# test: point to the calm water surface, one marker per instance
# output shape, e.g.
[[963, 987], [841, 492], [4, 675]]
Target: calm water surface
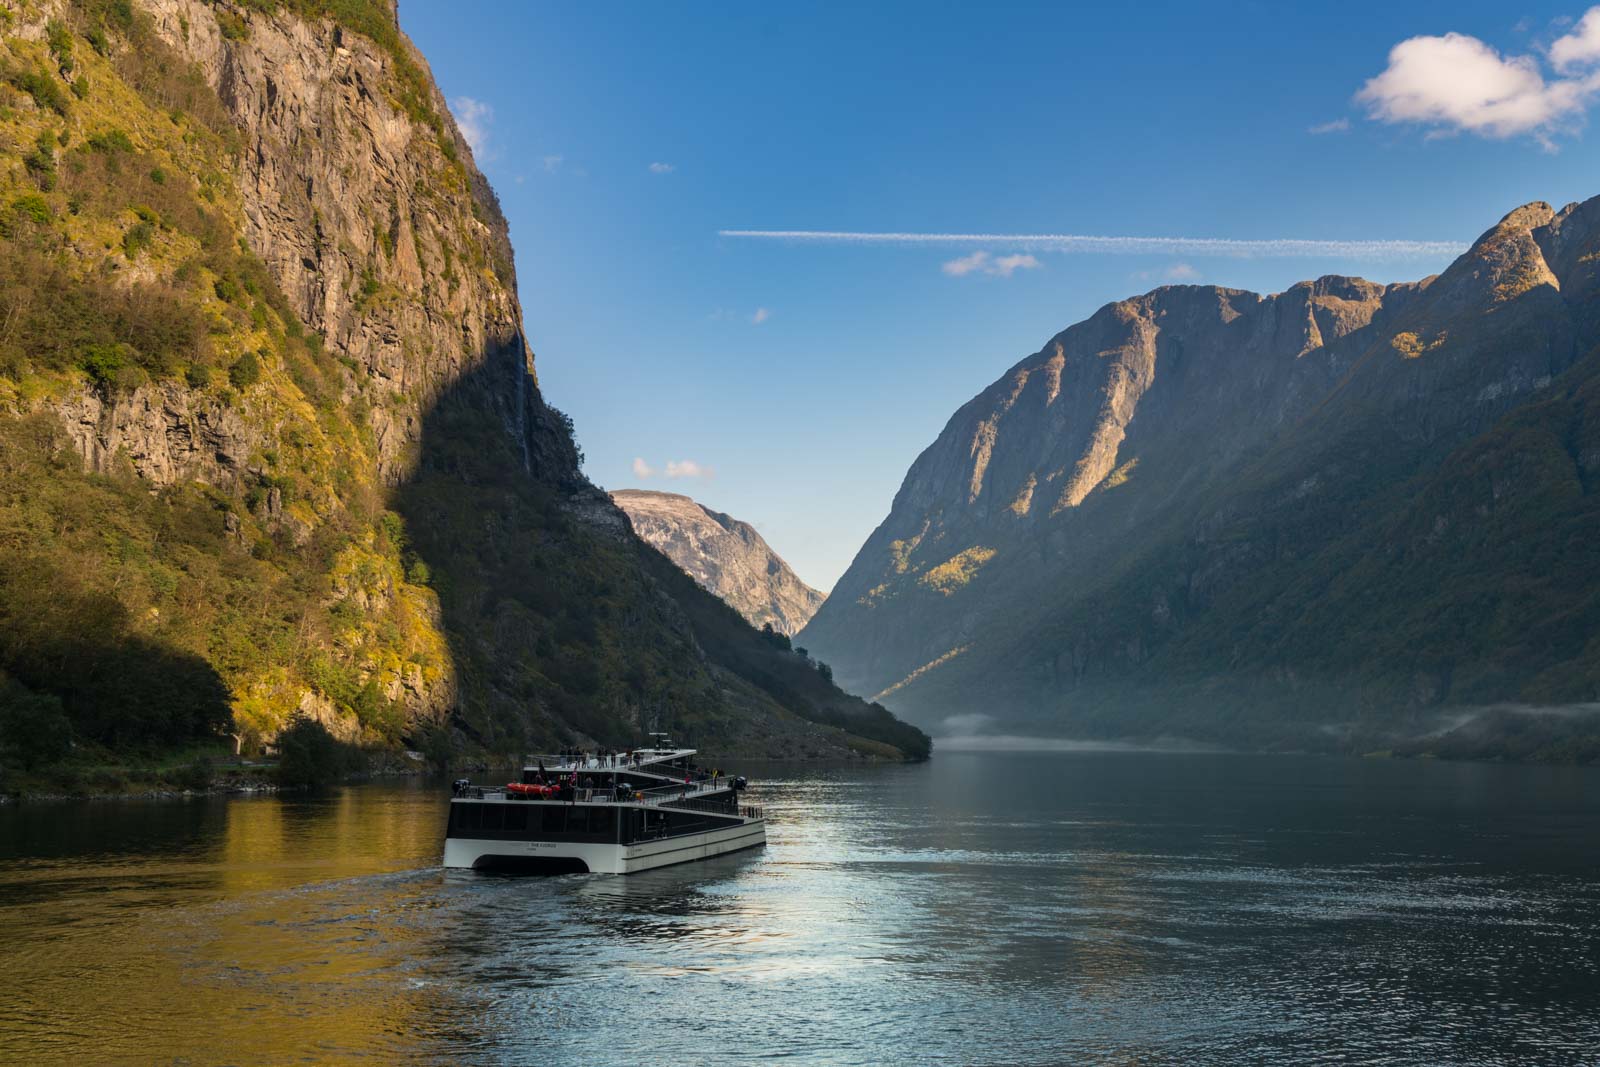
[[1089, 907]]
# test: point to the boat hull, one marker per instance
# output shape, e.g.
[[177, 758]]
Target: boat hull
[[599, 857]]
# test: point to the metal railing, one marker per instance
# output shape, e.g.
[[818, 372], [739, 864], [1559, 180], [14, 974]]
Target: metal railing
[[567, 762]]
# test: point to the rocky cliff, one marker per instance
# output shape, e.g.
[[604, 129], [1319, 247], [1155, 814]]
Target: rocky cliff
[[1322, 517], [726, 556], [271, 441]]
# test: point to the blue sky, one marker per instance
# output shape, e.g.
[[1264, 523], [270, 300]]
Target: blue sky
[[791, 383]]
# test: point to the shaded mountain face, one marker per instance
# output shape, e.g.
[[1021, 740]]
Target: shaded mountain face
[[271, 441], [1321, 518], [726, 556]]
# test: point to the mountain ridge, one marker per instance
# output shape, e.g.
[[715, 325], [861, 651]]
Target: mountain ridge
[[1071, 541]]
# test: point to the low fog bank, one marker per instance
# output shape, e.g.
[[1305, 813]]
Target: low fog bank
[[976, 733], [1568, 733], [1023, 743], [1564, 733]]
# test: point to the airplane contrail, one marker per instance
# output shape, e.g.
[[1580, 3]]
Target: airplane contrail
[[1084, 243]]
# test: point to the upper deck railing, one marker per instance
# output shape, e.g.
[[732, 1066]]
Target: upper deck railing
[[567, 762]]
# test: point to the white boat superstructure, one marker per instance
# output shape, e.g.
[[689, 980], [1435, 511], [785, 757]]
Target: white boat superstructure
[[607, 812]]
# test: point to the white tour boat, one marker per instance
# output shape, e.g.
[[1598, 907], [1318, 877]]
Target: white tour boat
[[601, 812]]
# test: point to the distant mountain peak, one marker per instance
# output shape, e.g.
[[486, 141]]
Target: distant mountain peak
[[724, 555]]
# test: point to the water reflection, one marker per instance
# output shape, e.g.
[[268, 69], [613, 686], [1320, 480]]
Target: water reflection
[[1084, 907]]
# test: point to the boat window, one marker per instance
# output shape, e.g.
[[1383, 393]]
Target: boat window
[[516, 817], [491, 816], [467, 816], [555, 819]]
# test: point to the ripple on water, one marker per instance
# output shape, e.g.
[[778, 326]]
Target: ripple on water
[[897, 914]]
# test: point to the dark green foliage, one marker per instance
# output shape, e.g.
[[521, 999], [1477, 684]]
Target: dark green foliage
[[34, 730], [564, 422], [245, 372], [43, 87], [104, 362], [311, 758], [57, 320], [137, 239], [59, 38], [28, 208], [41, 162], [110, 141]]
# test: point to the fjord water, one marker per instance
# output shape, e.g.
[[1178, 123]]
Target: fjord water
[[1018, 908]]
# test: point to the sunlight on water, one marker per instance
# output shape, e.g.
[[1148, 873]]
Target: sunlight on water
[[1090, 907]]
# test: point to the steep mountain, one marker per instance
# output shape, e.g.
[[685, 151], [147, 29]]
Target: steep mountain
[[724, 555], [1348, 515], [271, 441]]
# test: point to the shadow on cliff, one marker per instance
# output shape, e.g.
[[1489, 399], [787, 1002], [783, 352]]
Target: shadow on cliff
[[529, 599], [559, 620], [77, 656], [76, 662]]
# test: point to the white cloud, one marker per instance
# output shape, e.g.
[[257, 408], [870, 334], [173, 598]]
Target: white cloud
[[553, 163], [473, 118], [675, 469], [1581, 47], [761, 315], [1101, 245], [662, 168], [688, 468], [1456, 83], [957, 268], [1336, 126], [984, 263]]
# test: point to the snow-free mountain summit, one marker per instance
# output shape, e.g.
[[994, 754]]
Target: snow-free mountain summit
[[726, 556]]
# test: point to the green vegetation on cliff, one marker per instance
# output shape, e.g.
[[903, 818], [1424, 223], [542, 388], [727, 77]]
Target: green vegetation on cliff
[[252, 473]]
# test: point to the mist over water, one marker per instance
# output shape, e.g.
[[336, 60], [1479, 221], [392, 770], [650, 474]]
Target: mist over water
[[985, 907]]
